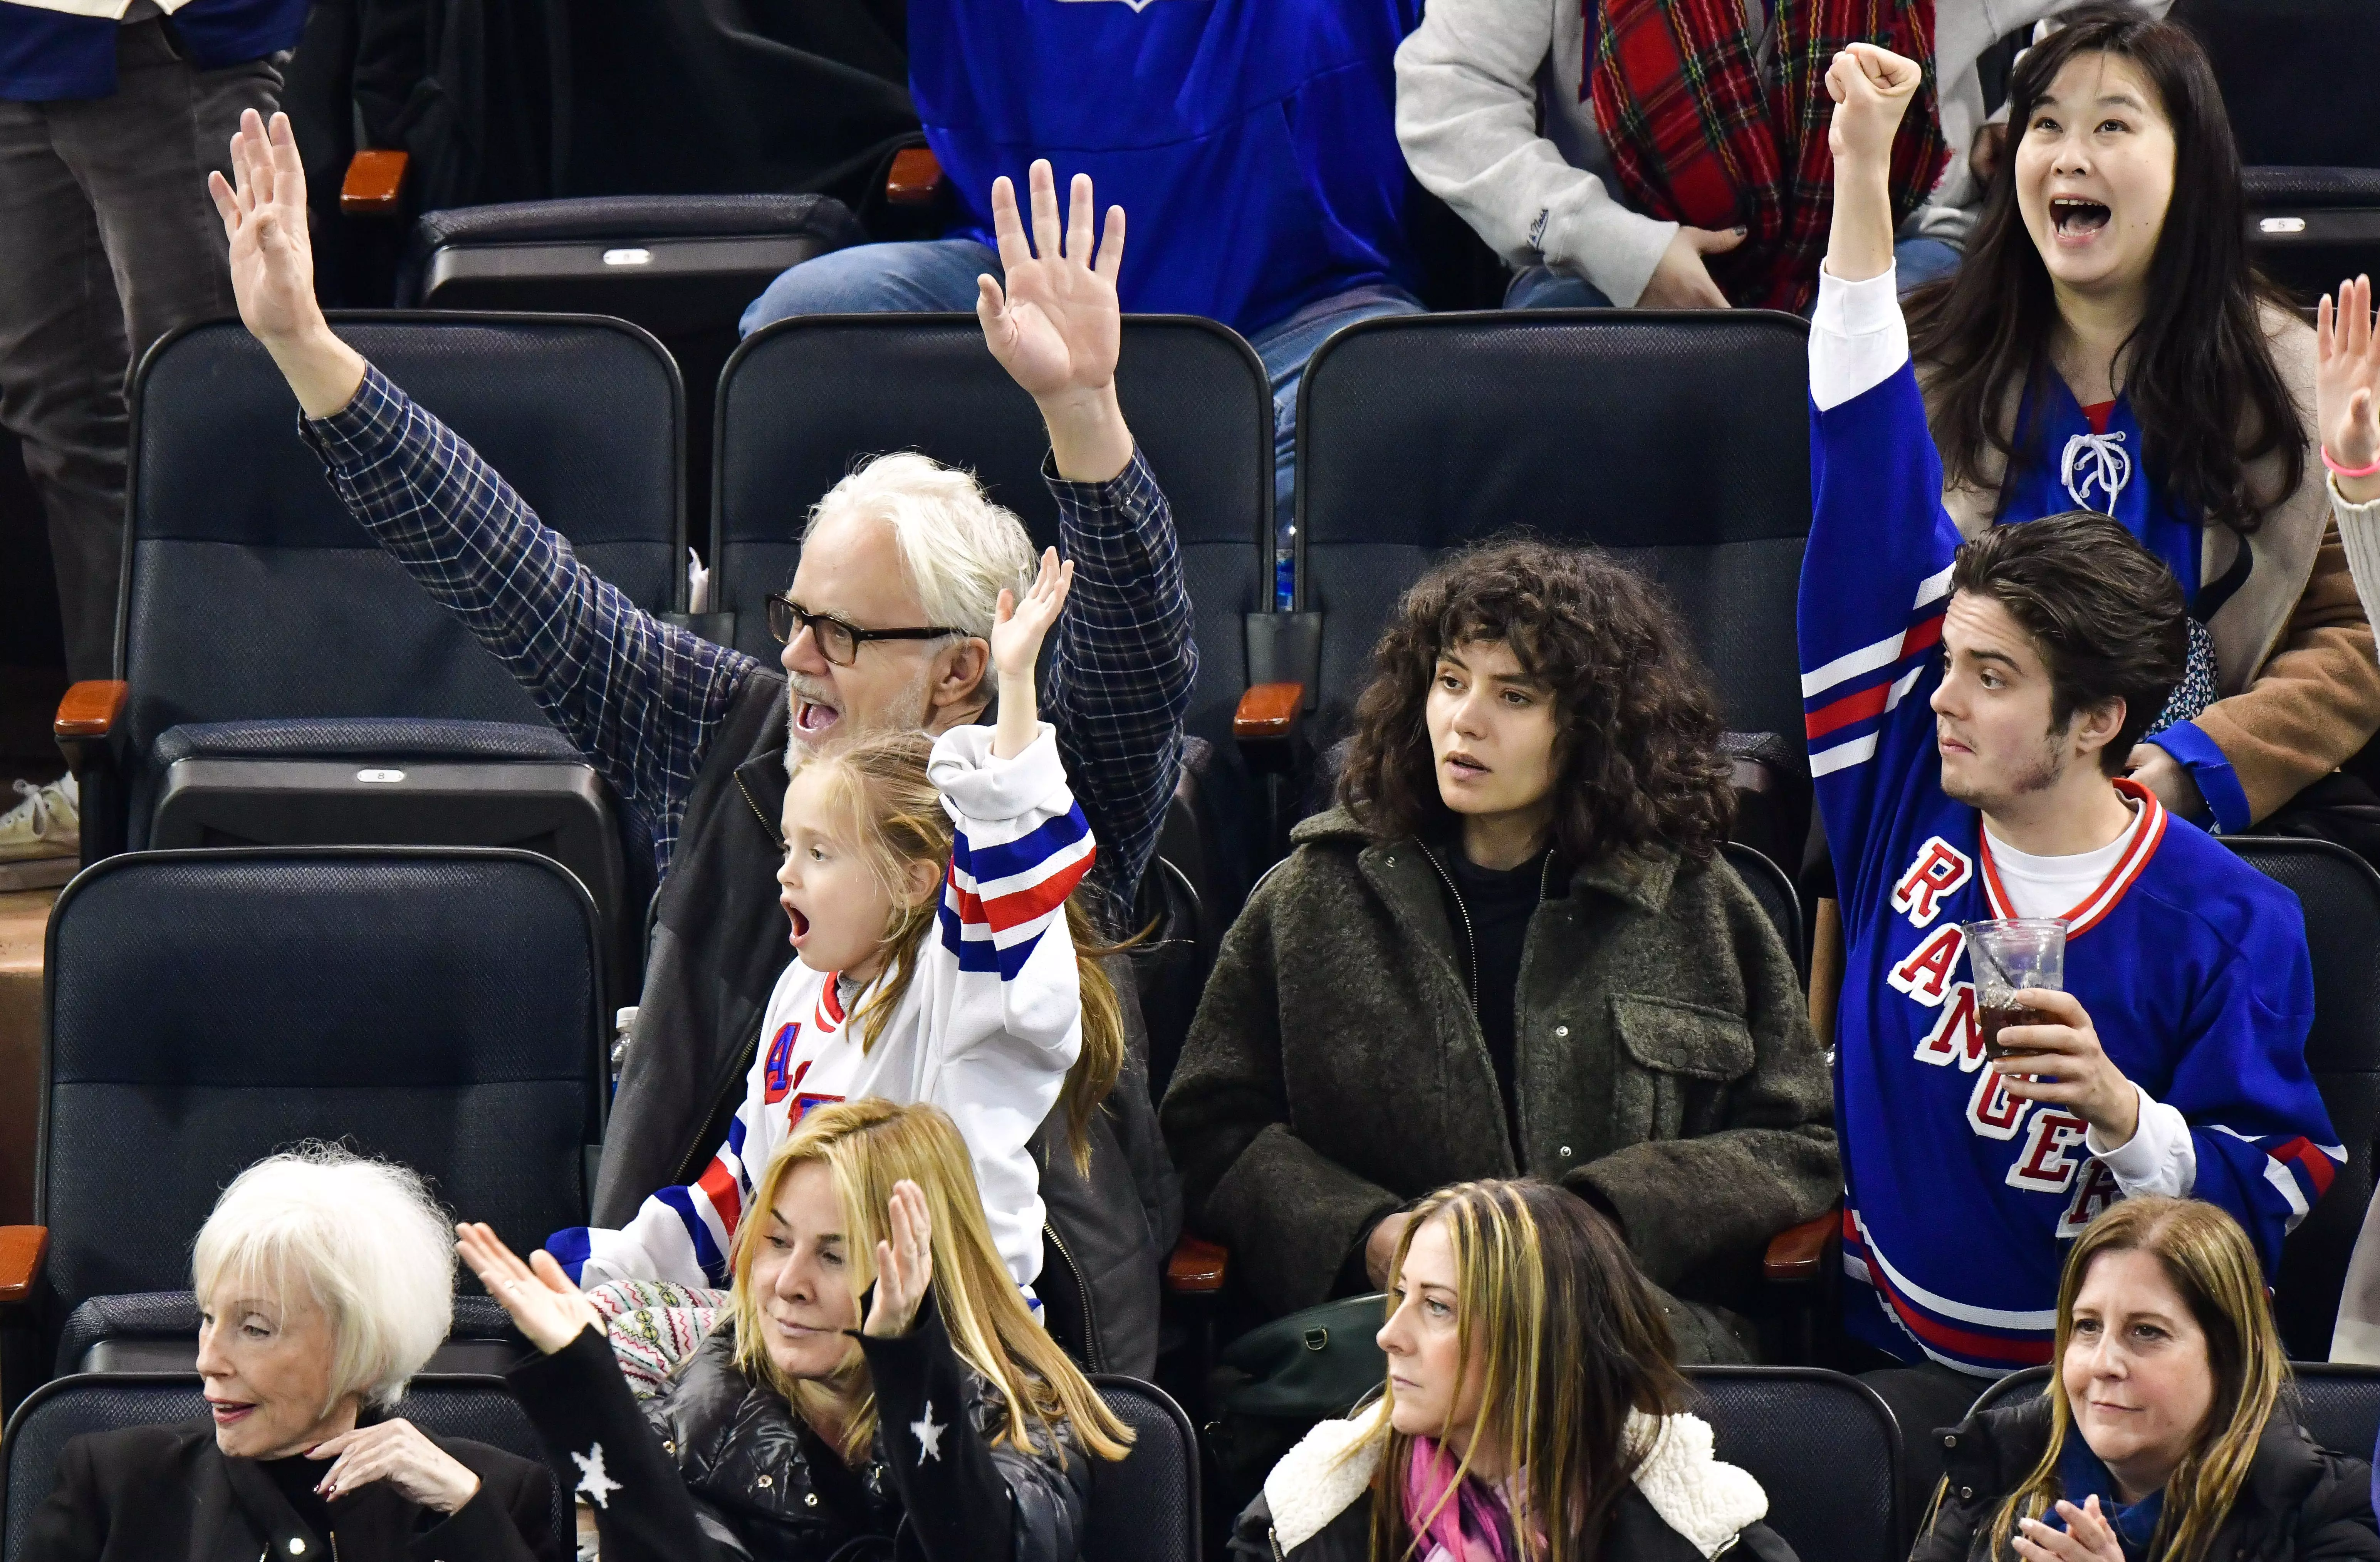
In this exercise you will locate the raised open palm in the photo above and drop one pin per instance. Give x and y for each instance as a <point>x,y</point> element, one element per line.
<point>550,1310</point>
<point>264,216</point>
<point>1023,624</point>
<point>2347,381</point>
<point>1056,327</point>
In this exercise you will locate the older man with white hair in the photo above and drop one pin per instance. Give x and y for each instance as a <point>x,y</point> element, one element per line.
<point>885,625</point>
<point>324,1282</point>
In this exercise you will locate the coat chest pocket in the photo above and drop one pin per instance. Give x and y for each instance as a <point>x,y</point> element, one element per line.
<point>1676,1060</point>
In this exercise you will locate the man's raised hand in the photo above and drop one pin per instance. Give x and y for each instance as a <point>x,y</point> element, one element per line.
<point>2347,385</point>
<point>263,210</point>
<point>1057,327</point>
<point>1871,89</point>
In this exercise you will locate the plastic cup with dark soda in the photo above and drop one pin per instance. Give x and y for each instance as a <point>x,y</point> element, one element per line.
<point>2009,954</point>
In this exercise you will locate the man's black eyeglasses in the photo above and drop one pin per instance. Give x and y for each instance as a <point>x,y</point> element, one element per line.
<point>837,641</point>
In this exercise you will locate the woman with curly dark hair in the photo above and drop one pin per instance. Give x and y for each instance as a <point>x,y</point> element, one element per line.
<point>1511,951</point>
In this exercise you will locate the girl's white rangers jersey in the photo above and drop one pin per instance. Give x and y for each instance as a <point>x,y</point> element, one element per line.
<point>991,1022</point>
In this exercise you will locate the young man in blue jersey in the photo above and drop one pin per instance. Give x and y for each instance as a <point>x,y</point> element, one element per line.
<point>1969,709</point>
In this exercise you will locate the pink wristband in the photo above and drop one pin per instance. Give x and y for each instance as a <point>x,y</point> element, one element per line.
<point>2336,470</point>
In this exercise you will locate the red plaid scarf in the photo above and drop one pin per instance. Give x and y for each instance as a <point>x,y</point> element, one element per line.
<point>1695,139</point>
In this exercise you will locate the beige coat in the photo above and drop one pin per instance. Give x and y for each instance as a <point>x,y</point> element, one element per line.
<point>2293,649</point>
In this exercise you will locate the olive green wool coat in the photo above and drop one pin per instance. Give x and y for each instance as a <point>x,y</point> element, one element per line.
<point>1336,1070</point>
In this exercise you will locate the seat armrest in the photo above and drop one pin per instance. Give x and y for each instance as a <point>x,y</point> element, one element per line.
<point>90,710</point>
<point>22,1248</point>
<point>1197,1268</point>
<point>1267,726</point>
<point>914,177</point>
<point>1798,1253</point>
<point>88,728</point>
<point>375,177</point>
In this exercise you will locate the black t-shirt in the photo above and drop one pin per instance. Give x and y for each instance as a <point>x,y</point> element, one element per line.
<point>1490,911</point>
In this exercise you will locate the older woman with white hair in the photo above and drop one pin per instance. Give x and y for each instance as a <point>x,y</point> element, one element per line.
<point>324,1282</point>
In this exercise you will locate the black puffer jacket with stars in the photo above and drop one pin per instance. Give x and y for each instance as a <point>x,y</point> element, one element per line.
<point>719,1465</point>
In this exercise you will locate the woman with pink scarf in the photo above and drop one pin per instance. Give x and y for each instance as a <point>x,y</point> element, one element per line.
<point>1532,1412</point>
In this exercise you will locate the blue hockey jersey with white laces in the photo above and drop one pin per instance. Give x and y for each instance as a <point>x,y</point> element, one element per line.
<point>1960,1199</point>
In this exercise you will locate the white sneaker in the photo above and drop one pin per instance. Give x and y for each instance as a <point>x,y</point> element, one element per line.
<point>48,823</point>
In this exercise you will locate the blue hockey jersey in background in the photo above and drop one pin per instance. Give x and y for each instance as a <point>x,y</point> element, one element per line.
<point>1961,1199</point>
<point>1251,143</point>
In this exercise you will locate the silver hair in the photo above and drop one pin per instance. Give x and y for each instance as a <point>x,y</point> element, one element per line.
<point>960,548</point>
<point>362,1238</point>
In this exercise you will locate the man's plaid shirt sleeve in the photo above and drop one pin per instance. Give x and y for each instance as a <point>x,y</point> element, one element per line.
<point>636,696</point>
<point>1120,679</point>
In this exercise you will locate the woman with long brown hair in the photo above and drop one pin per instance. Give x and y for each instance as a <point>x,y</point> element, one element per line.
<point>877,1376</point>
<point>1513,949</point>
<point>2167,1434</point>
<point>2109,346</point>
<point>1533,1411</point>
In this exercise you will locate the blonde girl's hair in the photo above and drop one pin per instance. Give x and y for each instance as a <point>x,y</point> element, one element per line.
<point>887,808</point>
<point>1551,1313</point>
<point>2210,1261</point>
<point>867,1146</point>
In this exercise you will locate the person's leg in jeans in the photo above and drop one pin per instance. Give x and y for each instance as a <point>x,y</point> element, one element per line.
<point>108,241</point>
<point>1285,345</point>
<point>1917,261</point>
<point>1542,288</point>
<point>923,277</point>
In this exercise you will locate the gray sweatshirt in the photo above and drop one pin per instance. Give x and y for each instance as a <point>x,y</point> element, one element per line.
<point>1494,119</point>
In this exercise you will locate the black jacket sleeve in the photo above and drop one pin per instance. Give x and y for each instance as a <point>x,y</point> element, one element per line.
<point>71,1523</point>
<point>963,1500</point>
<point>597,1438</point>
<point>513,1525</point>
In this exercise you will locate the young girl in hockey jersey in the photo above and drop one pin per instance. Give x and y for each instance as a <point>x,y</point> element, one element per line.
<point>929,884</point>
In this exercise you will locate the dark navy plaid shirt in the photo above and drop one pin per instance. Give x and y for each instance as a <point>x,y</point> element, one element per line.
<point>640,698</point>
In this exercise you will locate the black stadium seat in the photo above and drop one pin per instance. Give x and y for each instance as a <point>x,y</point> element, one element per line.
<point>2341,896</point>
<point>1677,442</point>
<point>442,1008</point>
<point>2337,1404</point>
<point>1823,1447</point>
<point>804,400</point>
<point>479,1407</point>
<point>289,682</point>
<point>1774,891</point>
<point>1145,1508</point>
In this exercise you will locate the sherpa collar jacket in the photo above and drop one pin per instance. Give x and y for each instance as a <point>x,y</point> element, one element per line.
<point>1683,1504</point>
<point>1336,1070</point>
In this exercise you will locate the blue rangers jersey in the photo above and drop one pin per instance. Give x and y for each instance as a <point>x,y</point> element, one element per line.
<point>1960,1198</point>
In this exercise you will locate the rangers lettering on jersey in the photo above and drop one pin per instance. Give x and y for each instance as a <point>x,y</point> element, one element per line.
<point>1940,867</point>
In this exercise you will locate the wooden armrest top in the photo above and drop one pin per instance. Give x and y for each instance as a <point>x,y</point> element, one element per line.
<point>22,1249</point>
<point>89,710</point>
<point>916,174</point>
<point>1196,1265</point>
<point>1796,1252</point>
<point>374,176</point>
<point>1267,711</point>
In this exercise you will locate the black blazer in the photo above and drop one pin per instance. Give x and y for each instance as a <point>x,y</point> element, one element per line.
<point>167,1493</point>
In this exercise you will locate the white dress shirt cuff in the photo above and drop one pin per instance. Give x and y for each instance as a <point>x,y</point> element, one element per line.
<point>1858,338</point>
<point>2160,1158</point>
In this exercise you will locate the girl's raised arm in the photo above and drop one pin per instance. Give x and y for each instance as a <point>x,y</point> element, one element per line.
<point>1016,639</point>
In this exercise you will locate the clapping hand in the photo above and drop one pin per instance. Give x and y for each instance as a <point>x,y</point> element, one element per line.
<point>2088,1537</point>
<point>1872,87</point>
<point>2347,383</point>
<point>905,1265</point>
<point>1016,636</point>
<point>548,1308</point>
